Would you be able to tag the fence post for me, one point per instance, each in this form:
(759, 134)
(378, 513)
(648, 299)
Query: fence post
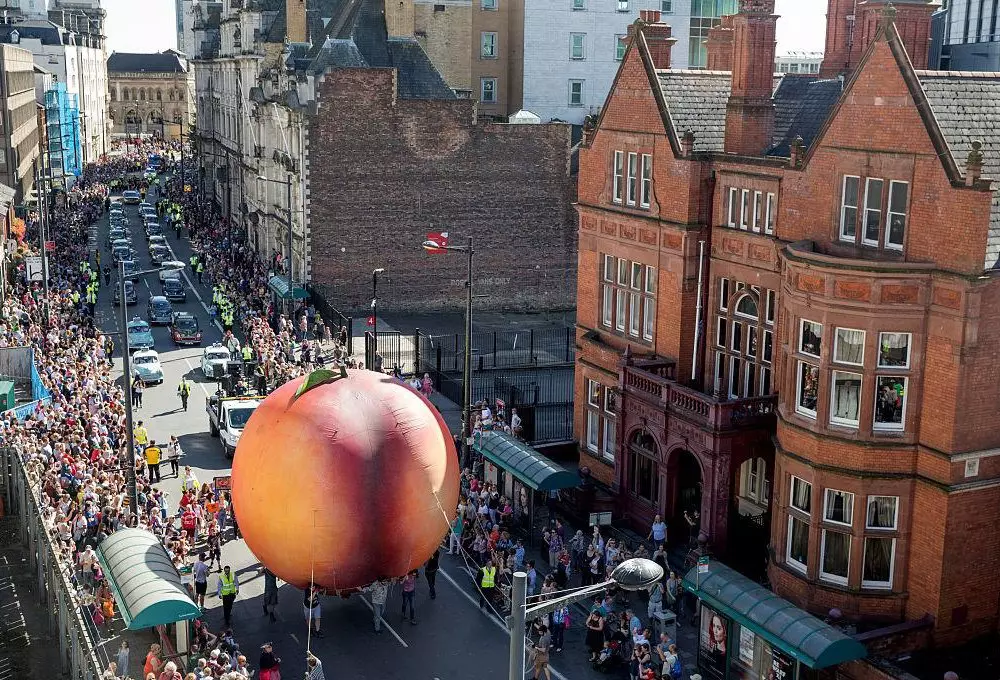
(350, 336)
(416, 351)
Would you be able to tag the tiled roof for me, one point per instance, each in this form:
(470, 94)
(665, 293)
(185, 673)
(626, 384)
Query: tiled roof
(45, 32)
(417, 77)
(697, 100)
(157, 62)
(966, 106)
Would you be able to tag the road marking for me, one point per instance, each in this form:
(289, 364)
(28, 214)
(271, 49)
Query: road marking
(386, 623)
(461, 591)
(201, 385)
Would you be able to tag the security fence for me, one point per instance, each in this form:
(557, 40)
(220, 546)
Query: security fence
(77, 651)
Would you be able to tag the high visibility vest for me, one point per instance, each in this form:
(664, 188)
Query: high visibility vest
(153, 455)
(141, 435)
(75, 297)
(228, 585)
(194, 260)
(246, 353)
(489, 577)
(184, 388)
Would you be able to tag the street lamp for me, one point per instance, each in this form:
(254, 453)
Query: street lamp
(133, 492)
(633, 574)
(288, 187)
(467, 363)
(375, 274)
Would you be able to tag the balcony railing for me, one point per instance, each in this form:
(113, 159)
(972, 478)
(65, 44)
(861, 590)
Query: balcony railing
(655, 379)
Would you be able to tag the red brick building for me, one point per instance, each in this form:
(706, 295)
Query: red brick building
(789, 313)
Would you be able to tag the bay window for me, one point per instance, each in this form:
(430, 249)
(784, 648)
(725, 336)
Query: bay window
(894, 350)
(838, 506)
(807, 389)
(890, 402)
(882, 216)
(849, 346)
(810, 337)
(602, 409)
(845, 402)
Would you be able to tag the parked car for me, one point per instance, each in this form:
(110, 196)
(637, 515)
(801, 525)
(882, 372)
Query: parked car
(159, 310)
(185, 329)
(159, 254)
(174, 290)
(131, 269)
(131, 197)
(115, 234)
(120, 253)
(140, 335)
(154, 229)
(146, 365)
(131, 297)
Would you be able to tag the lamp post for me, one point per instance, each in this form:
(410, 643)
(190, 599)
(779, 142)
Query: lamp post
(375, 274)
(633, 574)
(133, 492)
(467, 359)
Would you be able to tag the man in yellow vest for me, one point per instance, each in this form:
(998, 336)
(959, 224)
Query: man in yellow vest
(487, 583)
(229, 588)
(141, 435)
(153, 454)
(184, 391)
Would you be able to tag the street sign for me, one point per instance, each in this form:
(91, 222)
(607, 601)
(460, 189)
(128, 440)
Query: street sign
(600, 519)
(33, 265)
(187, 188)
(703, 564)
(50, 246)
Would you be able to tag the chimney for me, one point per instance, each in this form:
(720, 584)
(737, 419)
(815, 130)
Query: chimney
(687, 144)
(840, 20)
(720, 46)
(913, 23)
(657, 36)
(797, 152)
(750, 110)
(295, 21)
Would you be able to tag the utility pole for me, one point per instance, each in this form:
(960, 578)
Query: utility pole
(375, 274)
(133, 492)
(467, 368)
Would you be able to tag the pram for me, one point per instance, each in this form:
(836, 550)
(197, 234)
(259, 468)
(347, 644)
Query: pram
(611, 657)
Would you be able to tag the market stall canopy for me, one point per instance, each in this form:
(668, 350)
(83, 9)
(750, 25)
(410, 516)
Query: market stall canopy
(145, 583)
(532, 468)
(786, 627)
(279, 286)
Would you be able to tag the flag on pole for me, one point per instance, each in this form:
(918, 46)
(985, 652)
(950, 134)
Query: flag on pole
(436, 242)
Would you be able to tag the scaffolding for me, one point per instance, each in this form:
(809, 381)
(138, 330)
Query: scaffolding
(62, 116)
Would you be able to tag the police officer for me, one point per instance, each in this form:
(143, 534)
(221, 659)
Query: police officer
(200, 268)
(184, 391)
(247, 352)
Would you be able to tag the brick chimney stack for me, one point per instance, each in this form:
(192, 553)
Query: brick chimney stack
(295, 21)
(840, 20)
(851, 26)
(750, 111)
(658, 37)
(720, 45)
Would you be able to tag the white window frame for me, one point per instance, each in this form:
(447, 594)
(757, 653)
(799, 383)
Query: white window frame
(621, 308)
(891, 427)
(609, 268)
(771, 309)
(607, 305)
(622, 6)
(888, 214)
(608, 439)
(482, 90)
(593, 431)
(488, 39)
(845, 422)
(836, 345)
(895, 513)
(789, 560)
(770, 213)
(755, 221)
(620, 46)
(634, 313)
(791, 497)
(878, 585)
(579, 4)
(799, 408)
(573, 38)
(648, 318)
(826, 507)
(719, 320)
(719, 370)
(825, 576)
(571, 83)
(632, 178)
(881, 213)
(844, 207)
(650, 281)
(909, 350)
(744, 208)
(646, 180)
(763, 390)
(734, 390)
(594, 387)
(802, 325)
(618, 172)
(635, 276)
(724, 294)
(733, 209)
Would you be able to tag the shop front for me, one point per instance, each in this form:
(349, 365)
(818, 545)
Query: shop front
(746, 632)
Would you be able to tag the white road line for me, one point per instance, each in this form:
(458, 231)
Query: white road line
(201, 385)
(461, 591)
(384, 622)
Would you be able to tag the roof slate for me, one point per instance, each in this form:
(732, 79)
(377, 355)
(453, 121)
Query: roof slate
(967, 108)
(157, 62)
(801, 106)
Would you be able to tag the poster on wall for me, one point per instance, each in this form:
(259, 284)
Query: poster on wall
(714, 644)
(782, 667)
(747, 639)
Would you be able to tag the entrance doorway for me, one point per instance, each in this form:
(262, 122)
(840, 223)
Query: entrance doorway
(688, 487)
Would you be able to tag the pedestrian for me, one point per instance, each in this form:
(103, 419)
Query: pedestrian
(311, 609)
(409, 590)
(315, 671)
(430, 571)
(270, 594)
(152, 454)
(184, 391)
(200, 572)
(269, 666)
(542, 653)
(123, 660)
(657, 531)
(487, 583)
(137, 387)
(379, 592)
(153, 661)
(228, 589)
(560, 622)
(174, 455)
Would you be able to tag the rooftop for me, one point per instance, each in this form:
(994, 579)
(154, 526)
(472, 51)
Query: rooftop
(155, 62)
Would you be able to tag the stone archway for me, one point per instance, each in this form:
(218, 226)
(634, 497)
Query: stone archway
(685, 495)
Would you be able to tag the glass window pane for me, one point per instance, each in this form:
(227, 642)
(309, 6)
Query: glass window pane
(737, 340)
(890, 402)
(808, 389)
(721, 331)
(882, 512)
(606, 292)
(752, 341)
(768, 345)
(839, 506)
(593, 393)
(873, 210)
(845, 402)
(608, 450)
(593, 428)
(633, 314)
(609, 268)
(894, 350)
(747, 307)
(648, 317)
(811, 337)
(849, 346)
(650, 280)
(836, 555)
(620, 303)
(636, 278)
(723, 294)
(879, 557)
(798, 541)
(622, 272)
(801, 495)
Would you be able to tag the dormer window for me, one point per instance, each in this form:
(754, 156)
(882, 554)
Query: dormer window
(15, 37)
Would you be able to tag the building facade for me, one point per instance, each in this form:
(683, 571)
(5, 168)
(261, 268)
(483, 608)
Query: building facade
(18, 109)
(151, 93)
(788, 316)
(184, 18)
(966, 36)
(798, 62)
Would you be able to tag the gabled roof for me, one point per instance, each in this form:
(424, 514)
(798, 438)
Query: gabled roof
(45, 32)
(966, 107)
(696, 100)
(157, 62)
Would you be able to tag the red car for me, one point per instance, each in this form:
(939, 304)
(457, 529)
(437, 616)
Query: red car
(184, 329)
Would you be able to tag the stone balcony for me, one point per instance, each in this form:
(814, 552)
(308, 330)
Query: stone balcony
(654, 381)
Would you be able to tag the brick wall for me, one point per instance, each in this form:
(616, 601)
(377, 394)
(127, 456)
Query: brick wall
(384, 171)
(446, 37)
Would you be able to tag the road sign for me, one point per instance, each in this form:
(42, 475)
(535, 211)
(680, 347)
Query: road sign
(50, 246)
(33, 265)
(703, 564)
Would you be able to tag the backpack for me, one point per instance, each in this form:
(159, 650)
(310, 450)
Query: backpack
(675, 669)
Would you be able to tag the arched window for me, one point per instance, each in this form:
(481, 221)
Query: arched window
(125, 94)
(114, 96)
(159, 95)
(743, 340)
(170, 94)
(142, 94)
(643, 467)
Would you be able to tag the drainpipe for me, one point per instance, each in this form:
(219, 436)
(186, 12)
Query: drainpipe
(697, 313)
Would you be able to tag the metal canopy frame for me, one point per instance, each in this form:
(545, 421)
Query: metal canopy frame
(526, 464)
(786, 627)
(278, 285)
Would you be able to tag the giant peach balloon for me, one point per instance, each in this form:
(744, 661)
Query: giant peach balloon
(354, 480)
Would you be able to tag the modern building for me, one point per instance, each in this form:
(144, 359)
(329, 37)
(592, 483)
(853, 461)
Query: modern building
(966, 36)
(788, 315)
(151, 93)
(342, 103)
(798, 62)
(19, 121)
(63, 131)
(184, 13)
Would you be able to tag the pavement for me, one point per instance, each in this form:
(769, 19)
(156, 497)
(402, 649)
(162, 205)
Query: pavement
(452, 640)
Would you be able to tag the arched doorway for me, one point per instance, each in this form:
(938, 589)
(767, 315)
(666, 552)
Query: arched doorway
(644, 469)
(685, 473)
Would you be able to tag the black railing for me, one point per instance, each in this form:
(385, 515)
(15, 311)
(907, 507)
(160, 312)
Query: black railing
(502, 349)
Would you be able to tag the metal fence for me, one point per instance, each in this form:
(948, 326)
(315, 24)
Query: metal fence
(333, 318)
(500, 349)
(19, 363)
(77, 651)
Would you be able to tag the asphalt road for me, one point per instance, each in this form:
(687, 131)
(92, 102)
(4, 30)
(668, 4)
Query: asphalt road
(452, 640)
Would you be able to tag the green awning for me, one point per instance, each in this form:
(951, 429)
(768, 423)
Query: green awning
(145, 583)
(279, 286)
(792, 630)
(522, 461)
